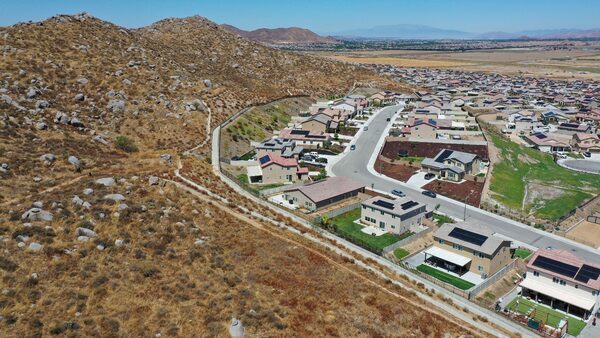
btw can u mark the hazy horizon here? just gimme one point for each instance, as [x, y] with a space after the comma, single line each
[329, 17]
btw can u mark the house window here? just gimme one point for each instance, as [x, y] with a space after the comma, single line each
[535, 273]
[594, 293]
[381, 212]
[382, 225]
[562, 282]
[480, 268]
[576, 286]
[457, 247]
[554, 280]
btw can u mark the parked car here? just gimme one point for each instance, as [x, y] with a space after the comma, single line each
[398, 193]
[429, 193]
[308, 158]
[321, 160]
[561, 155]
[429, 176]
[313, 153]
[352, 147]
[388, 119]
[366, 128]
[587, 154]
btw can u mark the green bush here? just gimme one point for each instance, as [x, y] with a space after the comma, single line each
[125, 144]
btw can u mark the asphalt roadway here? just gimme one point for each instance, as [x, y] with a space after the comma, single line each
[355, 164]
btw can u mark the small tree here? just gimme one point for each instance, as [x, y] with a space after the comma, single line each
[336, 136]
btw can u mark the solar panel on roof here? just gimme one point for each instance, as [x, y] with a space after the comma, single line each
[555, 266]
[384, 204]
[408, 205]
[586, 273]
[540, 136]
[299, 132]
[264, 159]
[468, 236]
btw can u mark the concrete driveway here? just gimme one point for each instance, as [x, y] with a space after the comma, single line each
[418, 180]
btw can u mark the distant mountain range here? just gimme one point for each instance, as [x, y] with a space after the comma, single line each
[279, 36]
[421, 32]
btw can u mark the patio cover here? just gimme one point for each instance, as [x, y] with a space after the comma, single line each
[559, 292]
[254, 170]
[448, 256]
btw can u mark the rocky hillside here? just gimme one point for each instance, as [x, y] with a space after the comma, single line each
[98, 238]
[282, 36]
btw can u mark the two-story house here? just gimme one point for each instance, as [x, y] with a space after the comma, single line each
[586, 142]
[394, 216]
[279, 147]
[273, 168]
[563, 281]
[452, 165]
[463, 247]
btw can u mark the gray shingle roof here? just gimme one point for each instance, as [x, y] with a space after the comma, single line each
[489, 247]
[328, 188]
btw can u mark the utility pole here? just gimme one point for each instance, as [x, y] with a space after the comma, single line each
[465, 211]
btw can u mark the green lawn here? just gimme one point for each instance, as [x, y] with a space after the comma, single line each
[520, 165]
[522, 253]
[401, 253]
[547, 315]
[346, 227]
[444, 277]
[441, 219]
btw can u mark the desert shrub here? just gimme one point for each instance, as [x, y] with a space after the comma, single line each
[126, 144]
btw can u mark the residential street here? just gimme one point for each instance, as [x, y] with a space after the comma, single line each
[355, 164]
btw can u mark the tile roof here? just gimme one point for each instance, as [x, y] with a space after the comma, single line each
[328, 188]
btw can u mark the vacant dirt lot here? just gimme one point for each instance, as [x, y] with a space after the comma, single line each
[587, 233]
[425, 149]
[468, 189]
[396, 171]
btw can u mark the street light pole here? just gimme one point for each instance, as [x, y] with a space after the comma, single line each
[465, 211]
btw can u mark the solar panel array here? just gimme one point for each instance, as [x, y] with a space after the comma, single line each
[541, 136]
[468, 236]
[264, 159]
[550, 264]
[408, 205]
[299, 132]
[384, 204]
[586, 273]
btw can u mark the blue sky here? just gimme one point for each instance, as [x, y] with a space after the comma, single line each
[327, 16]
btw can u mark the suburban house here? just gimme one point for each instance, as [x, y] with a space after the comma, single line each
[317, 195]
[546, 143]
[586, 142]
[384, 97]
[463, 247]
[317, 123]
[522, 116]
[395, 216]
[273, 168]
[304, 138]
[576, 127]
[423, 128]
[554, 117]
[563, 281]
[279, 147]
[343, 104]
[452, 165]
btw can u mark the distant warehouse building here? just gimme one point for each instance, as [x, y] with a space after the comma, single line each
[394, 216]
[320, 194]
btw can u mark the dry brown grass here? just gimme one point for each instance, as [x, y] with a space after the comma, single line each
[587, 233]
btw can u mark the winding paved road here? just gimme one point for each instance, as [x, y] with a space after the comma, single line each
[355, 164]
